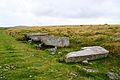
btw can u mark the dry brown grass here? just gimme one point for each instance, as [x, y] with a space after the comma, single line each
[70, 30]
[81, 35]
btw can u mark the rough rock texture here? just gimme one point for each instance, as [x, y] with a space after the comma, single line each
[34, 36]
[90, 70]
[49, 40]
[53, 50]
[85, 62]
[55, 41]
[86, 53]
[113, 76]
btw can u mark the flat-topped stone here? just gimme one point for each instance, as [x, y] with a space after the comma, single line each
[51, 40]
[86, 53]
[34, 36]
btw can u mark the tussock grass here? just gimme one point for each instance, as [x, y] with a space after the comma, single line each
[81, 35]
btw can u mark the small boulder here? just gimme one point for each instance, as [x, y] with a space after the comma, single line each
[90, 70]
[85, 62]
[117, 38]
[53, 50]
[30, 41]
[86, 53]
[113, 76]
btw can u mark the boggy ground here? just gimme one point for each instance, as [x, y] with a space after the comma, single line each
[20, 60]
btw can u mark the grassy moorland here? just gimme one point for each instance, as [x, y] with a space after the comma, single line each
[22, 61]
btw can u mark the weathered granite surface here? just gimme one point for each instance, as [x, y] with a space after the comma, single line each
[49, 40]
[86, 53]
[113, 76]
[54, 40]
[34, 36]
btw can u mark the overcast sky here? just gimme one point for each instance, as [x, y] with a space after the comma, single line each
[58, 12]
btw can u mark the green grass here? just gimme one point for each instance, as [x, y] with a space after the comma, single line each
[22, 61]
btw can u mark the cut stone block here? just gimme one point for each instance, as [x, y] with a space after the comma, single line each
[87, 53]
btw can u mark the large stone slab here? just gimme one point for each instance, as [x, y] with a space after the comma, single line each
[86, 53]
[51, 40]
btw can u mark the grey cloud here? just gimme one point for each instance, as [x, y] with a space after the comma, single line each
[78, 9]
[16, 12]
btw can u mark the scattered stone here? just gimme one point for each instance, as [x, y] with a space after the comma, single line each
[85, 62]
[40, 45]
[90, 63]
[113, 76]
[90, 70]
[30, 41]
[53, 50]
[117, 38]
[87, 53]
